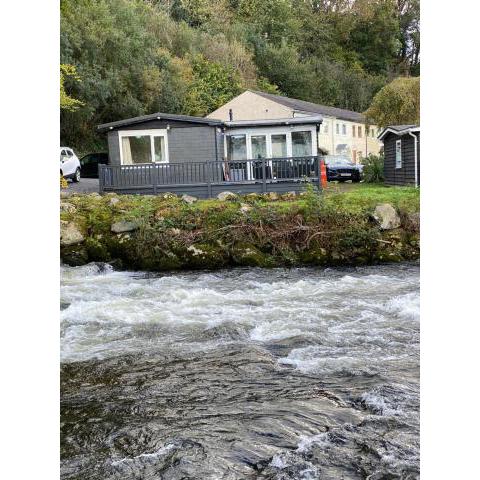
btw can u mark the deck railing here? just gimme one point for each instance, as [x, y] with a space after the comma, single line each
[157, 176]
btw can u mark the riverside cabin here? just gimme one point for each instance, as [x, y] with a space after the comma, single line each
[182, 154]
[401, 154]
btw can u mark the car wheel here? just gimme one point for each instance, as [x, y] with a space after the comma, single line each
[76, 177]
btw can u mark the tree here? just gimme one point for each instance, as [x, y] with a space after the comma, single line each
[396, 103]
[67, 102]
[212, 86]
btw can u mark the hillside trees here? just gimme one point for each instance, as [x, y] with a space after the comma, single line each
[190, 56]
[398, 103]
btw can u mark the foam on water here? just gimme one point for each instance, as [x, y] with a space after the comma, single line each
[283, 373]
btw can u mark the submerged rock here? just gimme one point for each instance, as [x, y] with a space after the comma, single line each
[70, 234]
[386, 216]
[124, 226]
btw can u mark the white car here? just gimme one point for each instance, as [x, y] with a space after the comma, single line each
[69, 164]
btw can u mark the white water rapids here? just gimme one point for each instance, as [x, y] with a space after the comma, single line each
[248, 373]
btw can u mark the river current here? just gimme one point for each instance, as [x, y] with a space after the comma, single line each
[281, 374]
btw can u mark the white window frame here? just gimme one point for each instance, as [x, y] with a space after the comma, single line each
[398, 154]
[268, 132]
[158, 132]
[344, 129]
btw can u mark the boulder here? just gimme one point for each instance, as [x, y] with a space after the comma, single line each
[227, 196]
[189, 199]
[124, 226]
[70, 234]
[168, 195]
[386, 216]
[67, 207]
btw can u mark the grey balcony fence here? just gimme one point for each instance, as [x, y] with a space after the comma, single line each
[207, 179]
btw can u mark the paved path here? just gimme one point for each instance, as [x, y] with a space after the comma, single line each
[85, 185]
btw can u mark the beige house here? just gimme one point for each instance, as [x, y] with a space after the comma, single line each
[342, 132]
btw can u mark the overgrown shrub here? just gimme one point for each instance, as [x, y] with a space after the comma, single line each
[373, 168]
[63, 182]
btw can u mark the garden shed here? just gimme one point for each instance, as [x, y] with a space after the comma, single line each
[402, 154]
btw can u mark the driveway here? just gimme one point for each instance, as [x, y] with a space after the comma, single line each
[85, 185]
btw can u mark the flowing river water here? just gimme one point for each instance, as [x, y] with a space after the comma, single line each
[240, 374]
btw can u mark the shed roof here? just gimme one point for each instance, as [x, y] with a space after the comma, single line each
[398, 130]
[303, 106]
[158, 116]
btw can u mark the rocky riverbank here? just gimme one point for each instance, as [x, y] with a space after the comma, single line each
[167, 232]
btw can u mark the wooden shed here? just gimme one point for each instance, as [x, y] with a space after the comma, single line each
[402, 154]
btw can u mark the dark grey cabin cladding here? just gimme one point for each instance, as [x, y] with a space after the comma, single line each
[187, 142]
[406, 174]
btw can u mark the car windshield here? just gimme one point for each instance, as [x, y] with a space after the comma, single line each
[340, 162]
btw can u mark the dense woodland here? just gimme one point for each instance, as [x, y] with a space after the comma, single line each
[123, 58]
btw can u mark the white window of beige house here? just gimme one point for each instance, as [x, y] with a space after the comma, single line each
[359, 131]
[337, 129]
[143, 146]
[325, 127]
[344, 129]
[353, 130]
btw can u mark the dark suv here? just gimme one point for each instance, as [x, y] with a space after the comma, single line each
[89, 164]
[342, 169]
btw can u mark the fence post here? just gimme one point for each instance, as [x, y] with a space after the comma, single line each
[209, 179]
[319, 173]
[264, 176]
[101, 170]
[155, 178]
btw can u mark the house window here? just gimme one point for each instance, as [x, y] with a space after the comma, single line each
[359, 131]
[325, 127]
[337, 129]
[259, 146]
[279, 145]
[344, 129]
[137, 147]
[301, 144]
[236, 147]
[398, 154]
[353, 130]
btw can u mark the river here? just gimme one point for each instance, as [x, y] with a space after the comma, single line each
[304, 373]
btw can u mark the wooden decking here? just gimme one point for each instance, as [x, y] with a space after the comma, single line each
[207, 179]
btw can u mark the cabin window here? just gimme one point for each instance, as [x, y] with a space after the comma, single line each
[236, 147]
[259, 146]
[279, 145]
[138, 147]
[398, 154]
[136, 150]
[301, 144]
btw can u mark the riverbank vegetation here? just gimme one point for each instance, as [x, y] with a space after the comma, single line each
[167, 232]
[124, 58]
